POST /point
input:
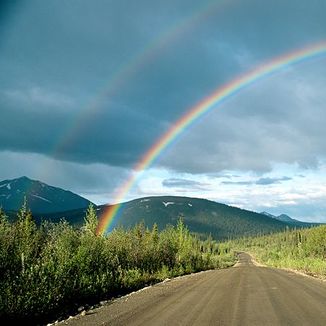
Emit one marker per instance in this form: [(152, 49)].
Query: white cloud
[(289, 197)]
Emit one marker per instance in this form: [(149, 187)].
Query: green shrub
[(51, 268), (303, 249)]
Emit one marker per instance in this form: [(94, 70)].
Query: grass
[(302, 250)]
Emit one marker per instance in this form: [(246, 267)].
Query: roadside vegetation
[(302, 249), (52, 269)]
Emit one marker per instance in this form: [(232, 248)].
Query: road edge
[(296, 271), (125, 296)]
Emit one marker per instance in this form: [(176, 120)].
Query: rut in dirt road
[(241, 295)]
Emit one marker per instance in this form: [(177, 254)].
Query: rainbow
[(209, 103), (134, 65)]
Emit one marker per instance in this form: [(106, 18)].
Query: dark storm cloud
[(281, 120), (57, 57), (54, 132), (94, 181), (8, 8)]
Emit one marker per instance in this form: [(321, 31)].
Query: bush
[(54, 267), (303, 249)]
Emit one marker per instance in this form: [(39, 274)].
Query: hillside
[(41, 198), (300, 249), (200, 215)]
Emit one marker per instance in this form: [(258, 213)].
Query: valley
[(155, 239)]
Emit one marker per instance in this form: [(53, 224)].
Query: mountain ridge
[(202, 216), (282, 217), (41, 197)]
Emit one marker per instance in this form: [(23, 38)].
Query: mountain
[(268, 214), (41, 198), (200, 215), (287, 219)]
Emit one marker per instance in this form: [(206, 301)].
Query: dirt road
[(242, 295)]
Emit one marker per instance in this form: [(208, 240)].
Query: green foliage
[(90, 221), (201, 216), (45, 269), (315, 243), (301, 249)]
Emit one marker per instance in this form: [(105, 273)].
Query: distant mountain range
[(283, 218), (41, 198), (202, 216)]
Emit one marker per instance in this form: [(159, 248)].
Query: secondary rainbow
[(135, 64), (199, 110)]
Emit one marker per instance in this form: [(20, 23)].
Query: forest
[(302, 249), (53, 269)]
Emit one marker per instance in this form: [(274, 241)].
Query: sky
[(88, 87)]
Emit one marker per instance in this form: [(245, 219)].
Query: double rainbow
[(209, 103), (147, 55)]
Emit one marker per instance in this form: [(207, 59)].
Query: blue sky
[(87, 87)]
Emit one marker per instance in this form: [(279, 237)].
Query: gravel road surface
[(242, 295)]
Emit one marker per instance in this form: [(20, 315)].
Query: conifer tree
[(91, 220), (3, 217)]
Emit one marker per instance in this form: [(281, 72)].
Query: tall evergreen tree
[(91, 220)]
